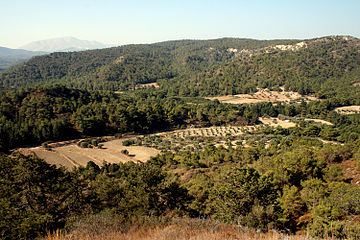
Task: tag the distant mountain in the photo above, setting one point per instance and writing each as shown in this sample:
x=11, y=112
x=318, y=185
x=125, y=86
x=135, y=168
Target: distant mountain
x=9, y=57
x=66, y=44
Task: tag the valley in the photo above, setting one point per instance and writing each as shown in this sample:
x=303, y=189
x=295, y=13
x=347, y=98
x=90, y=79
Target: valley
x=262, y=134
x=140, y=148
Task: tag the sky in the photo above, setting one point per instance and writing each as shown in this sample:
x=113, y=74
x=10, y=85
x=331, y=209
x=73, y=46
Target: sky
x=118, y=22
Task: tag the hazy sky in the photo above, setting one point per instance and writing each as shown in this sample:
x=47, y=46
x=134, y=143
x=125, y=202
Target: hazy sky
x=139, y=21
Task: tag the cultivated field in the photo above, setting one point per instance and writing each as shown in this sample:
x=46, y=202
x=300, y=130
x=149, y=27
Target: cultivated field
x=71, y=155
x=264, y=95
x=348, y=110
x=196, y=139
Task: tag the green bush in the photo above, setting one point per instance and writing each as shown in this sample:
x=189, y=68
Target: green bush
x=128, y=142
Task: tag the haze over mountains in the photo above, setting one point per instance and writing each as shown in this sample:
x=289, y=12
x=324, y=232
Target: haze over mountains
x=64, y=44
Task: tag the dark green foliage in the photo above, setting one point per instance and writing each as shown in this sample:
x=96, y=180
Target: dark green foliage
x=124, y=67
x=288, y=186
x=56, y=113
x=326, y=66
x=128, y=142
x=124, y=151
x=36, y=197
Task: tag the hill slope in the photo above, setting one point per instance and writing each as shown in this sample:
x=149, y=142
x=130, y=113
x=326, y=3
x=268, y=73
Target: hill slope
x=123, y=67
x=325, y=66
x=9, y=57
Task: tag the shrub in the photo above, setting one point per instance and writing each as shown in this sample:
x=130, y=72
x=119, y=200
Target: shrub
x=128, y=142
x=124, y=151
x=84, y=144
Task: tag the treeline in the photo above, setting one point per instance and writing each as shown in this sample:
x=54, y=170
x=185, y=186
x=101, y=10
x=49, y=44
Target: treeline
x=57, y=113
x=293, y=184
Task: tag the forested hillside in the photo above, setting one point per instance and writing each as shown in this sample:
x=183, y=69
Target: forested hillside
x=122, y=67
x=10, y=57
x=326, y=66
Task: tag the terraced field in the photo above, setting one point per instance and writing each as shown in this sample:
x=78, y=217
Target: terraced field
x=72, y=155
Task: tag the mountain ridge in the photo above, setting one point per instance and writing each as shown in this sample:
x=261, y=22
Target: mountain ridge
x=201, y=67
x=10, y=57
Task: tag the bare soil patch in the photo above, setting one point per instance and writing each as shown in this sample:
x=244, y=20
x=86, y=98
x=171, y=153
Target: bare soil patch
x=348, y=110
x=146, y=85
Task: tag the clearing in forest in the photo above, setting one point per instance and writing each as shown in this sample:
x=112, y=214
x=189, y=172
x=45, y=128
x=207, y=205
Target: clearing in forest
x=348, y=110
x=265, y=95
x=146, y=85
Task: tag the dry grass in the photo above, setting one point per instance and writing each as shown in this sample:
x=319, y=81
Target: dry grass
x=348, y=110
x=179, y=229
